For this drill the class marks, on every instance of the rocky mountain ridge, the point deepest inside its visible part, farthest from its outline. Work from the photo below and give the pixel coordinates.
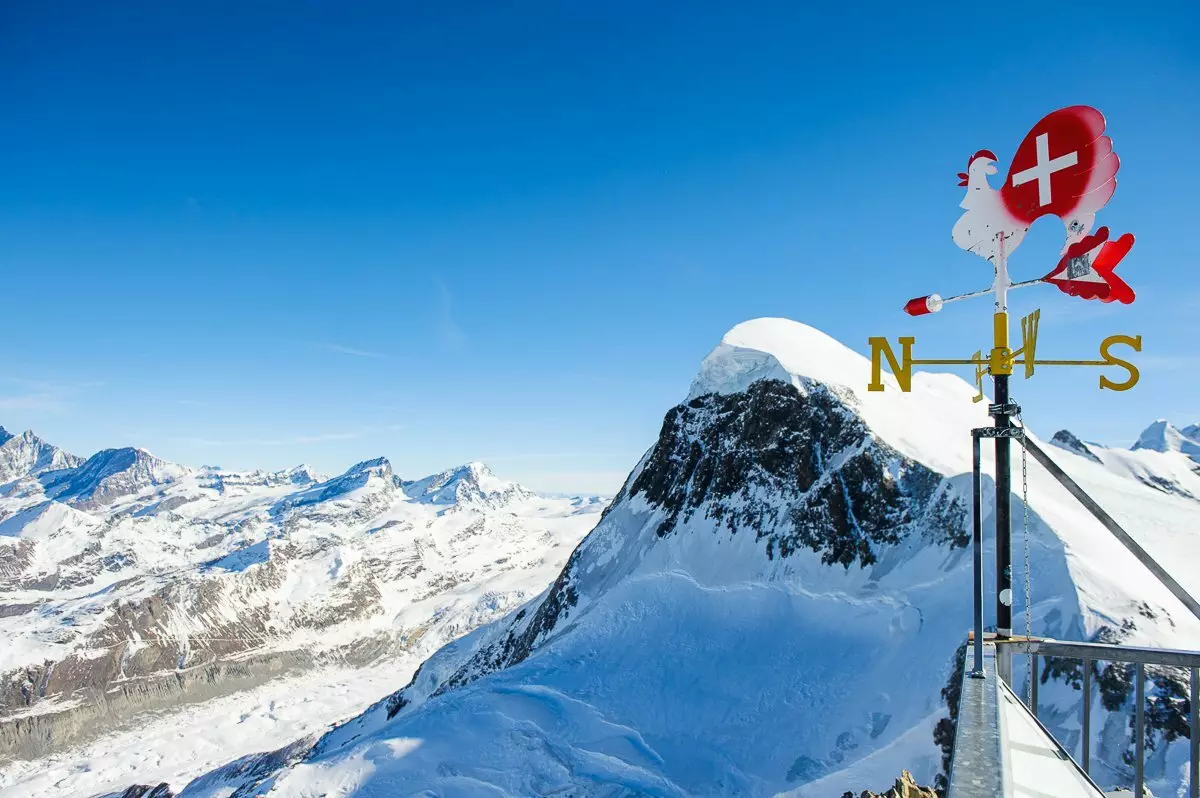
(128, 583)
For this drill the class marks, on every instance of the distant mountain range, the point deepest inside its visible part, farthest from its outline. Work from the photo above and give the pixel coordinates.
(128, 582)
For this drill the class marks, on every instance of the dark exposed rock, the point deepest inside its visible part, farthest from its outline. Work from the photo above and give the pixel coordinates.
(1064, 439)
(734, 457)
(163, 790)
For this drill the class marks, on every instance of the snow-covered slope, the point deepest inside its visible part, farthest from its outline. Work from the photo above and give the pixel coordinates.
(771, 605)
(128, 583)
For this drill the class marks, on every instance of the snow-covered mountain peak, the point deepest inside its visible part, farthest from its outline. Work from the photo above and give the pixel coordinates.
(1163, 436)
(370, 478)
(472, 483)
(781, 349)
(1065, 439)
(109, 475)
(28, 455)
(785, 523)
(303, 474)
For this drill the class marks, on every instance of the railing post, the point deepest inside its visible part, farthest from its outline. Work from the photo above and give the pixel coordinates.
(1139, 765)
(977, 553)
(1087, 716)
(1194, 735)
(1033, 684)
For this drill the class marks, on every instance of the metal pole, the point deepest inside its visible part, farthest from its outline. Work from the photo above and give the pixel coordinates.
(977, 552)
(1139, 789)
(1003, 517)
(1194, 734)
(1087, 715)
(1033, 687)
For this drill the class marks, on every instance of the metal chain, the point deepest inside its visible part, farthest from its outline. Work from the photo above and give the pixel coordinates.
(1025, 537)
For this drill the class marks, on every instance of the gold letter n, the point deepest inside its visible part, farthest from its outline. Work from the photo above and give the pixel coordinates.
(880, 348)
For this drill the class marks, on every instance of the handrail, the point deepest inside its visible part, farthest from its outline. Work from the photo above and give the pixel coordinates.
(1141, 657)
(1103, 651)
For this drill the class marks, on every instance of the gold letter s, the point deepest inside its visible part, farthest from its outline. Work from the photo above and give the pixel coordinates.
(1134, 341)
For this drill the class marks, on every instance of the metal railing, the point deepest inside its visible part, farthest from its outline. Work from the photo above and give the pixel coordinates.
(1089, 653)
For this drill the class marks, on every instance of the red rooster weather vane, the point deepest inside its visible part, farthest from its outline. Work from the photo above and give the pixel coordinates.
(1064, 167)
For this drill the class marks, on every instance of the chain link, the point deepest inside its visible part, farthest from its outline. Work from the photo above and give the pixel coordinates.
(1025, 537)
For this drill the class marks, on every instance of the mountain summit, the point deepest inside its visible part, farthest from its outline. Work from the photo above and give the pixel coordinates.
(739, 620)
(1163, 436)
(27, 455)
(109, 475)
(473, 483)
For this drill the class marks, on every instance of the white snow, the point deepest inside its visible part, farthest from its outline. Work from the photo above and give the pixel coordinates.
(695, 665)
(328, 564)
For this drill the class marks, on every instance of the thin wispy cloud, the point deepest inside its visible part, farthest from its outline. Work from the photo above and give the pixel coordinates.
(1166, 362)
(33, 402)
(20, 394)
(450, 334)
(350, 350)
(284, 441)
(500, 458)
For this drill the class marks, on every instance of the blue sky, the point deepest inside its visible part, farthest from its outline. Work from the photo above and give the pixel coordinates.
(255, 234)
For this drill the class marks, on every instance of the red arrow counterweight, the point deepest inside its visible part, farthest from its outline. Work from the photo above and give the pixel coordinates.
(923, 305)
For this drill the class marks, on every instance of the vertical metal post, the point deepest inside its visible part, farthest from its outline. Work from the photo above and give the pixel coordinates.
(1087, 715)
(1033, 687)
(977, 552)
(1004, 599)
(1004, 657)
(1194, 787)
(1139, 763)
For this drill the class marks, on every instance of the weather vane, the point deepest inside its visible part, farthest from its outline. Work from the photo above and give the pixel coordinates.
(1065, 167)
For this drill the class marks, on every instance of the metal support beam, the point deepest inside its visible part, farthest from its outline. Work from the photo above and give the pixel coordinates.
(1112, 526)
(977, 554)
(1087, 715)
(1194, 786)
(1004, 600)
(1139, 763)
(1033, 685)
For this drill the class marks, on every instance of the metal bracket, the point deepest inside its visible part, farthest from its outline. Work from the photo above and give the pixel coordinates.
(1009, 408)
(999, 432)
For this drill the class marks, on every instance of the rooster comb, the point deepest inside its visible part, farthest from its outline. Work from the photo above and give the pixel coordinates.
(991, 156)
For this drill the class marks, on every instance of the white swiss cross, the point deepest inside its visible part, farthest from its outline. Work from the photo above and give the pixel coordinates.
(1045, 167)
